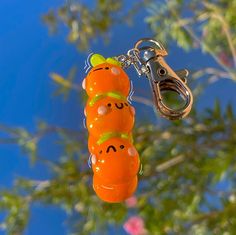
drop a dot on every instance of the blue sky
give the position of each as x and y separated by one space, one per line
27 56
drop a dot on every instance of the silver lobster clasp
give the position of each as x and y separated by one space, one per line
149 55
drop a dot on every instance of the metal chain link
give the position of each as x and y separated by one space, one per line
132 58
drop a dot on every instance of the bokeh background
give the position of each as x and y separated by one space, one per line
44 176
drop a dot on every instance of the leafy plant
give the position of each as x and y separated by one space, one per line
183 162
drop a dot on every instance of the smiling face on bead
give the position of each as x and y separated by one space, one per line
109 115
116 161
106 77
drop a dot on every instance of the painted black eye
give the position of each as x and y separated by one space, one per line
126 104
109 104
97 69
119 106
106 68
100 152
122 146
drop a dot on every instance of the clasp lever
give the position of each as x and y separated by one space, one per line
163 78
147 57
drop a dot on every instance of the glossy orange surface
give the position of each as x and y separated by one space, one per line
116 161
109 115
105 78
109 120
93 146
114 193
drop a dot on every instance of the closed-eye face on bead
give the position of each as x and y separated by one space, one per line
106 77
109 115
117 161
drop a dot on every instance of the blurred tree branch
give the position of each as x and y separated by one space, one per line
86 24
171 15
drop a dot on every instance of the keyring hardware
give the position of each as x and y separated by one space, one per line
148 60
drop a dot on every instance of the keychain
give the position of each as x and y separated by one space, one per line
110 116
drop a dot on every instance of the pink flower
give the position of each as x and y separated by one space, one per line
134 226
131 201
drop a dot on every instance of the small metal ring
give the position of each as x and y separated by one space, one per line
156 42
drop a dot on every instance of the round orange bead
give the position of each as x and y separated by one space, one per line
117 161
114 193
109 115
107 77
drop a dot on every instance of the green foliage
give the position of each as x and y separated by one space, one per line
204 25
17 208
65 84
183 162
86 24
26 141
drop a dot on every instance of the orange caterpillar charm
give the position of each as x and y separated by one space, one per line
110 119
